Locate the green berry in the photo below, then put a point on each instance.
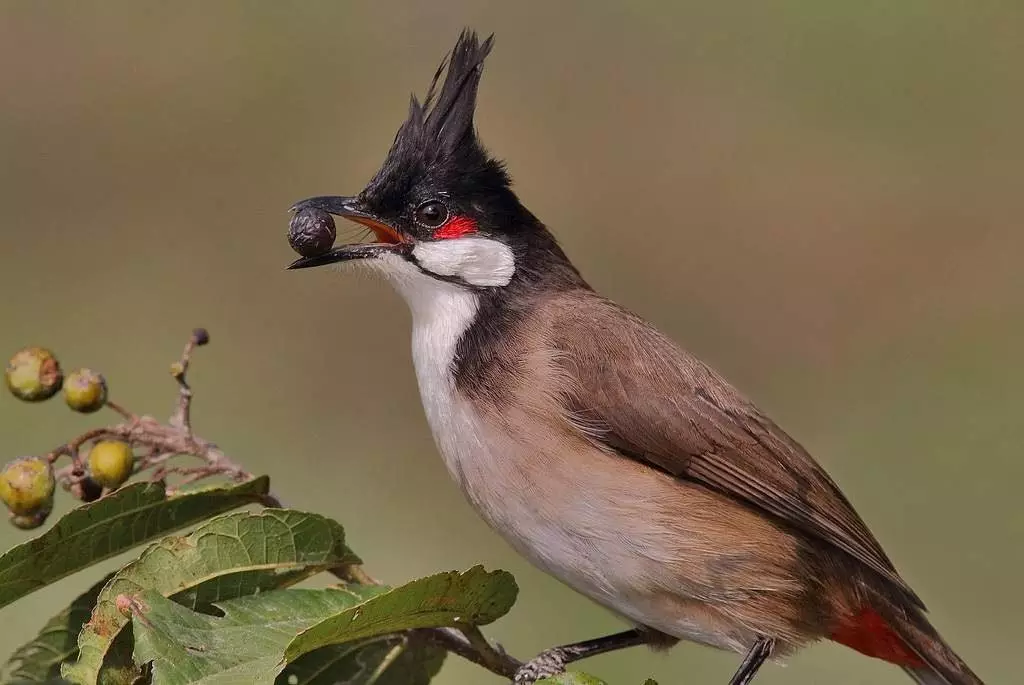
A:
(27, 485)
(30, 521)
(33, 374)
(110, 463)
(85, 391)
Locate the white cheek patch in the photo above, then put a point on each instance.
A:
(476, 260)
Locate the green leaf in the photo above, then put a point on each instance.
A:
(231, 556)
(388, 661)
(40, 659)
(474, 597)
(254, 641)
(88, 534)
(246, 644)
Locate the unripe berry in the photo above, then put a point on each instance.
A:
(85, 391)
(33, 374)
(311, 232)
(27, 485)
(110, 463)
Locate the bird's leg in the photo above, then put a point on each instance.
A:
(553, 661)
(756, 656)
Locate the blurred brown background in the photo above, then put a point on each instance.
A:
(822, 199)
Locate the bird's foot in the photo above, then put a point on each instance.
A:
(547, 663)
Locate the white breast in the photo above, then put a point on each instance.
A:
(441, 313)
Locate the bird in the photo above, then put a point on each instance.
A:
(592, 443)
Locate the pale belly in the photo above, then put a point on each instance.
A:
(588, 527)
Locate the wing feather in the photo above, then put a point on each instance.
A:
(651, 401)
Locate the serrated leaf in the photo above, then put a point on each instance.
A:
(246, 643)
(390, 661)
(39, 660)
(243, 645)
(230, 556)
(86, 535)
(474, 597)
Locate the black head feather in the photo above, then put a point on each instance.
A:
(438, 135)
(450, 119)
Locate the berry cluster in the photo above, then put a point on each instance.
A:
(102, 459)
(27, 484)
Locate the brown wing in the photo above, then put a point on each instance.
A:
(651, 401)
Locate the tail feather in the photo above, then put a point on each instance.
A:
(941, 665)
(903, 636)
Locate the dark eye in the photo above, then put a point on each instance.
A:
(431, 213)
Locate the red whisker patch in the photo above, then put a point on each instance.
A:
(457, 227)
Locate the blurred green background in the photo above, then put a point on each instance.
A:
(822, 199)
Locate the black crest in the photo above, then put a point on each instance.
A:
(439, 132)
(448, 120)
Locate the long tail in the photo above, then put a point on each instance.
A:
(903, 636)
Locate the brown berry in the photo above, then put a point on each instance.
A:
(33, 374)
(85, 391)
(311, 232)
(30, 521)
(87, 490)
(27, 485)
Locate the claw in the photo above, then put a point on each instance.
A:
(548, 663)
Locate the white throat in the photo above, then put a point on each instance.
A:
(441, 313)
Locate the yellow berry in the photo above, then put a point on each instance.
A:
(27, 485)
(110, 463)
(85, 391)
(33, 374)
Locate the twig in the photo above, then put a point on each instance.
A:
(497, 661)
(182, 414)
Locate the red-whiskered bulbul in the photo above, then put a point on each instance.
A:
(594, 445)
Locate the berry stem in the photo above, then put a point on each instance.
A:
(125, 414)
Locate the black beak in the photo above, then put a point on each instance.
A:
(388, 239)
(348, 207)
